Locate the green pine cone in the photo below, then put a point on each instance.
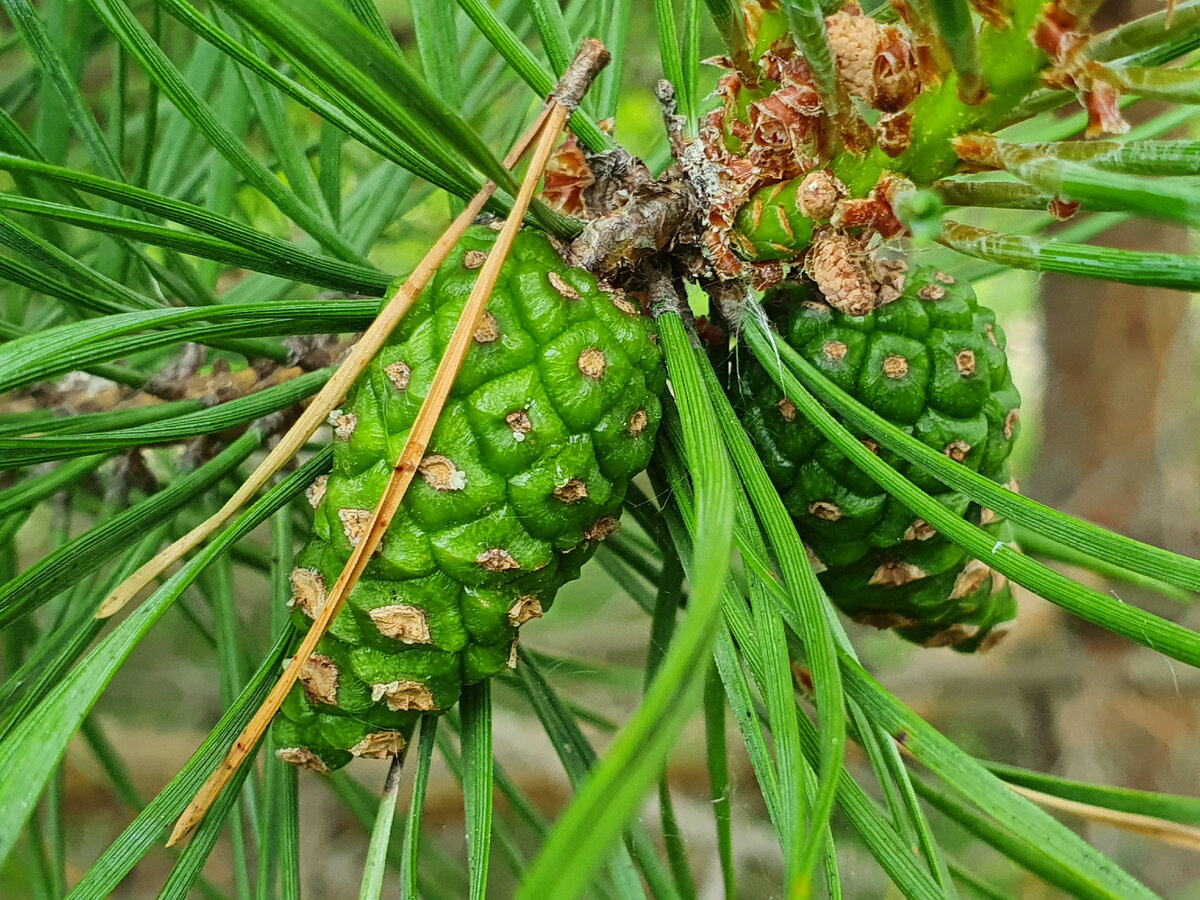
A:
(554, 410)
(931, 362)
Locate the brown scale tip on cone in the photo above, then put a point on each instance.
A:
(895, 366)
(993, 638)
(405, 623)
(970, 579)
(518, 420)
(787, 409)
(870, 445)
(380, 745)
(524, 609)
(319, 677)
(919, 530)
(957, 450)
(884, 620)
(343, 424)
(404, 695)
(474, 259)
(834, 350)
(561, 285)
(315, 492)
(488, 331)
(571, 491)
(932, 292)
(621, 303)
(601, 529)
(308, 591)
(441, 474)
(496, 560)
(823, 509)
(955, 634)
(943, 277)
(592, 363)
(302, 757)
(354, 524)
(896, 572)
(964, 361)
(638, 422)
(399, 374)
(1010, 423)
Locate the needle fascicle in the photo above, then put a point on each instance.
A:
(590, 59)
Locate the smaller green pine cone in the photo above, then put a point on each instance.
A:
(932, 362)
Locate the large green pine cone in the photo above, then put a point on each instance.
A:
(933, 363)
(554, 410)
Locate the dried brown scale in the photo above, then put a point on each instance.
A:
(834, 350)
(964, 361)
(488, 331)
(380, 745)
(319, 677)
(496, 560)
(601, 529)
(407, 624)
(404, 695)
(787, 409)
(836, 263)
(895, 366)
(1010, 423)
(308, 591)
(399, 374)
(519, 422)
(957, 450)
(315, 492)
(893, 132)
(920, 530)
(592, 363)
(560, 284)
(896, 573)
(818, 193)
(884, 620)
(637, 422)
(524, 610)
(441, 474)
(473, 259)
(354, 524)
(970, 579)
(570, 492)
(932, 292)
(822, 509)
(343, 424)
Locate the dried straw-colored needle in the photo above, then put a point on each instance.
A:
(329, 397)
(402, 475)
(1153, 827)
(1157, 829)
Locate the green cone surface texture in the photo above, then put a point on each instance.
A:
(932, 362)
(554, 410)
